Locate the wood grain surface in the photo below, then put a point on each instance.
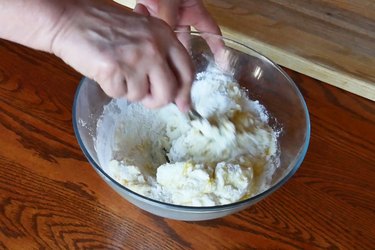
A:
(329, 40)
(51, 198)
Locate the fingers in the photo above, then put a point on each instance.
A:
(163, 87)
(183, 69)
(115, 86)
(205, 23)
(141, 9)
(172, 81)
(178, 13)
(151, 5)
(184, 36)
(152, 68)
(118, 79)
(138, 87)
(153, 74)
(166, 10)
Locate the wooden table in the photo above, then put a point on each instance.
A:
(51, 198)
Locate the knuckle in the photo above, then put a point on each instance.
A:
(152, 48)
(159, 101)
(107, 67)
(136, 94)
(133, 97)
(133, 56)
(113, 90)
(168, 96)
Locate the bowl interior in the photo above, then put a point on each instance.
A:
(264, 81)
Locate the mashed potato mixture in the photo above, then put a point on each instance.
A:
(168, 156)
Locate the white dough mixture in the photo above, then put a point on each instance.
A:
(165, 155)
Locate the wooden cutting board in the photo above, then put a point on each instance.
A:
(330, 40)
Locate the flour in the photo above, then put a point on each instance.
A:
(164, 155)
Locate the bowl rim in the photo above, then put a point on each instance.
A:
(200, 209)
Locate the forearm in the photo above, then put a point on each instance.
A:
(33, 23)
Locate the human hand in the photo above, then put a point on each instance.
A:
(129, 55)
(180, 15)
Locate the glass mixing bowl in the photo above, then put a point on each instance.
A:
(265, 82)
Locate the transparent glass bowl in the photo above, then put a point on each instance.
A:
(265, 82)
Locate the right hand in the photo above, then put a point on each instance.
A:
(129, 55)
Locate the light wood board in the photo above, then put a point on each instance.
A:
(330, 40)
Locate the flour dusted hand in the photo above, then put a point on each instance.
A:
(130, 55)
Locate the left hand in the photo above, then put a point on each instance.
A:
(180, 14)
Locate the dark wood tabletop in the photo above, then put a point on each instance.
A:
(51, 198)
